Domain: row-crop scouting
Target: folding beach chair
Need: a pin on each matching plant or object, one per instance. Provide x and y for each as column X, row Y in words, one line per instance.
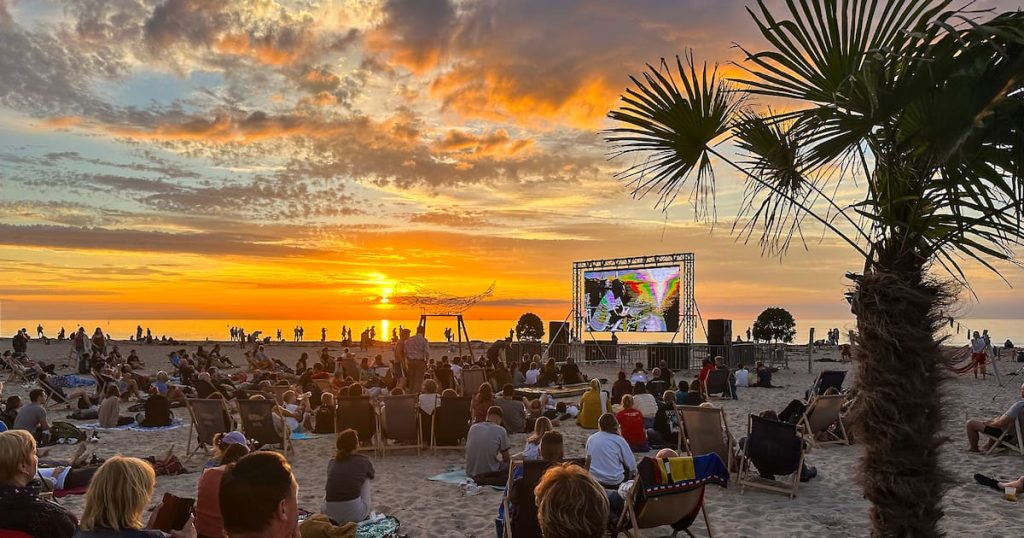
column 55, row 395
column 774, row 448
column 19, row 371
column 450, row 422
column 706, row 432
column 670, row 491
column 1011, row 438
column 828, row 379
column 357, row 413
column 717, row 384
column 207, row 421
column 821, row 413
column 259, row 426
column 399, row 421
column 522, row 521
column 472, row 378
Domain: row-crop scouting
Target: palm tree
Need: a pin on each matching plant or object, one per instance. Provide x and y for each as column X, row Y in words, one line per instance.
column 919, row 110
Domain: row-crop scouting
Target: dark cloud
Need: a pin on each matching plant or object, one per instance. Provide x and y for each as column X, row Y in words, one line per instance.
column 452, row 219
column 416, row 32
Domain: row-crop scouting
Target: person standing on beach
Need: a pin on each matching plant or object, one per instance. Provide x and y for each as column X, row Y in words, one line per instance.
column 979, row 347
column 417, row 351
column 323, row 334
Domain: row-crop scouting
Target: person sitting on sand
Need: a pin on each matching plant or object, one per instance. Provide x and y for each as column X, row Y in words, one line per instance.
column 322, row 420
column 994, row 427
column 222, row 443
column 173, row 393
column 485, row 442
column 592, row 406
column 609, row 457
column 639, row 374
column 683, row 388
column 208, row 522
column 109, row 413
column 10, row 411
column 134, row 361
column 570, row 503
column 513, row 410
column 349, row 473
column 482, row 402
column 21, row 509
column 632, row 423
column 32, row 417
column 764, row 376
column 532, row 375
column 117, row 496
column 531, row 451
column 157, row 411
column 621, row 387
column 645, row 402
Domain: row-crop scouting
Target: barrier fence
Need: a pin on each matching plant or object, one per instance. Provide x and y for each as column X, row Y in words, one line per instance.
column 676, row 356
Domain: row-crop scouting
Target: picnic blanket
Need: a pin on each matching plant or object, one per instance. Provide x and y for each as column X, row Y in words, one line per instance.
column 134, row 427
column 303, row 436
column 74, row 381
column 454, row 476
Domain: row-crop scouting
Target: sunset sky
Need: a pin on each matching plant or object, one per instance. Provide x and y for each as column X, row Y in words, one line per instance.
column 275, row 159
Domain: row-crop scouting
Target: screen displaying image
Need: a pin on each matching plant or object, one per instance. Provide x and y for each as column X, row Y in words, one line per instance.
column 632, row 300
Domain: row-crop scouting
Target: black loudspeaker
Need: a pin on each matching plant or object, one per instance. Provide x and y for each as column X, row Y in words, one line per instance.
column 719, row 332
column 558, row 332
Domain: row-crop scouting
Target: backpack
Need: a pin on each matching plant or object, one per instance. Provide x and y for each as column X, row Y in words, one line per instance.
column 62, row 432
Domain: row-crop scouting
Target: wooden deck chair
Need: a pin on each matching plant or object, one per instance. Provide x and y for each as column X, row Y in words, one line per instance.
column 399, row 420
column 675, row 501
column 450, row 422
column 1011, row 438
column 828, row 379
column 19, row 372
column 324, row 385
column 207, row 421
column 717, row 384
column 55, row 396
column 773, row 448
column 357, row 413
column 820, row 414
column 472, row 378
column 519, row 493
column 259, row 426
column 707, row 431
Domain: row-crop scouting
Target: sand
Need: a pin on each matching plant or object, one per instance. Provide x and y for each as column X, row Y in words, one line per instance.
column 830, row 505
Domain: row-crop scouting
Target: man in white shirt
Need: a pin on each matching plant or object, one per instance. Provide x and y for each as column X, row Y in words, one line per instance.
column 486, row 442
column 608, row 455
column 742, row 375
column 417, row 351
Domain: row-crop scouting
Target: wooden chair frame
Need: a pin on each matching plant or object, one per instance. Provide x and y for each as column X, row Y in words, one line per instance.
column 745, row 479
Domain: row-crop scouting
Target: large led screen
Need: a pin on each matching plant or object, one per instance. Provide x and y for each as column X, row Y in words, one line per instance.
column 632, row 300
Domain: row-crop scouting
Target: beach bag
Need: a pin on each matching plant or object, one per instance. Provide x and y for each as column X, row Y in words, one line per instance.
column 62, row 432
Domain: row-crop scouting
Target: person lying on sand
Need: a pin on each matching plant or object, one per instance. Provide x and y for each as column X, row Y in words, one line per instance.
column 994, row 427
column 1017, row 485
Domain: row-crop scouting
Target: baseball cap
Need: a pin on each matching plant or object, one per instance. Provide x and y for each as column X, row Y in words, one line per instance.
column 233, row 438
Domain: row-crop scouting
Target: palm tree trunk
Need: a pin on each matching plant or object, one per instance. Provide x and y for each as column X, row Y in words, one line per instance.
column 899, row 413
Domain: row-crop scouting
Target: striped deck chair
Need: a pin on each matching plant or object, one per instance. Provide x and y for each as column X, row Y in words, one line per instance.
column 19, row 372
column 670, row 491
column 821, row 413
column 207, row 421
column 717, row 384
column 357, row 413
column 450, row 422
column 519, row 505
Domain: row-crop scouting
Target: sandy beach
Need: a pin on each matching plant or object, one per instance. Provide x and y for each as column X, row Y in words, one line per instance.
column 830, row 504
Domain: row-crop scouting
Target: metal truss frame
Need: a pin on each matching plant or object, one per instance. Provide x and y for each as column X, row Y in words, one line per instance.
column 688, row 305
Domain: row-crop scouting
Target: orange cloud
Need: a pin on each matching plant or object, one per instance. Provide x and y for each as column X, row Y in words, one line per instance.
column 263, row 50
column 498, row 143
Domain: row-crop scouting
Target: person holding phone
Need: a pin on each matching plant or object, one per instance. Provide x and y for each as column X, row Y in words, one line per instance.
column 117, row 497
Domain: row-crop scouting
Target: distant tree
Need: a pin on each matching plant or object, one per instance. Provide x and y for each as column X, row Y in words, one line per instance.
column 775, row 325
column 530, row 327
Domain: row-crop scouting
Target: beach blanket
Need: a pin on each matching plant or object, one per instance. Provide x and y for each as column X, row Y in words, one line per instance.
column 58, row 493
column 378, row 527
column 74, row 381
column 564, row 391
column 134, row 427
column 454, row 477
column 303, row 436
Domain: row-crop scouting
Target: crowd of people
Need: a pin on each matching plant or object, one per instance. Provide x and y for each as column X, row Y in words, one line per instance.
column 244, row 491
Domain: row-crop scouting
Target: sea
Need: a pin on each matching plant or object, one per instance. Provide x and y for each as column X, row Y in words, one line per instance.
column 478, row 329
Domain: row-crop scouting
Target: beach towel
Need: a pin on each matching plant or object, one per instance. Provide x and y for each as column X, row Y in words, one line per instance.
column 454, row 477
column 378, row 527
column 73, row 491
column 303, row 436
column 134, row 427
column 72, row 381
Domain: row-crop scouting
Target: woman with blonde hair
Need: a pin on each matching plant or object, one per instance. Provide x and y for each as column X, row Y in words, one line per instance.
column 593, row 404
column 21, row 509
column 532, row 449
column 117, row 496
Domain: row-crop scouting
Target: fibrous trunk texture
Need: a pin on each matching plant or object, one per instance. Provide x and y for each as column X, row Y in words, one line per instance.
column 899, row 412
